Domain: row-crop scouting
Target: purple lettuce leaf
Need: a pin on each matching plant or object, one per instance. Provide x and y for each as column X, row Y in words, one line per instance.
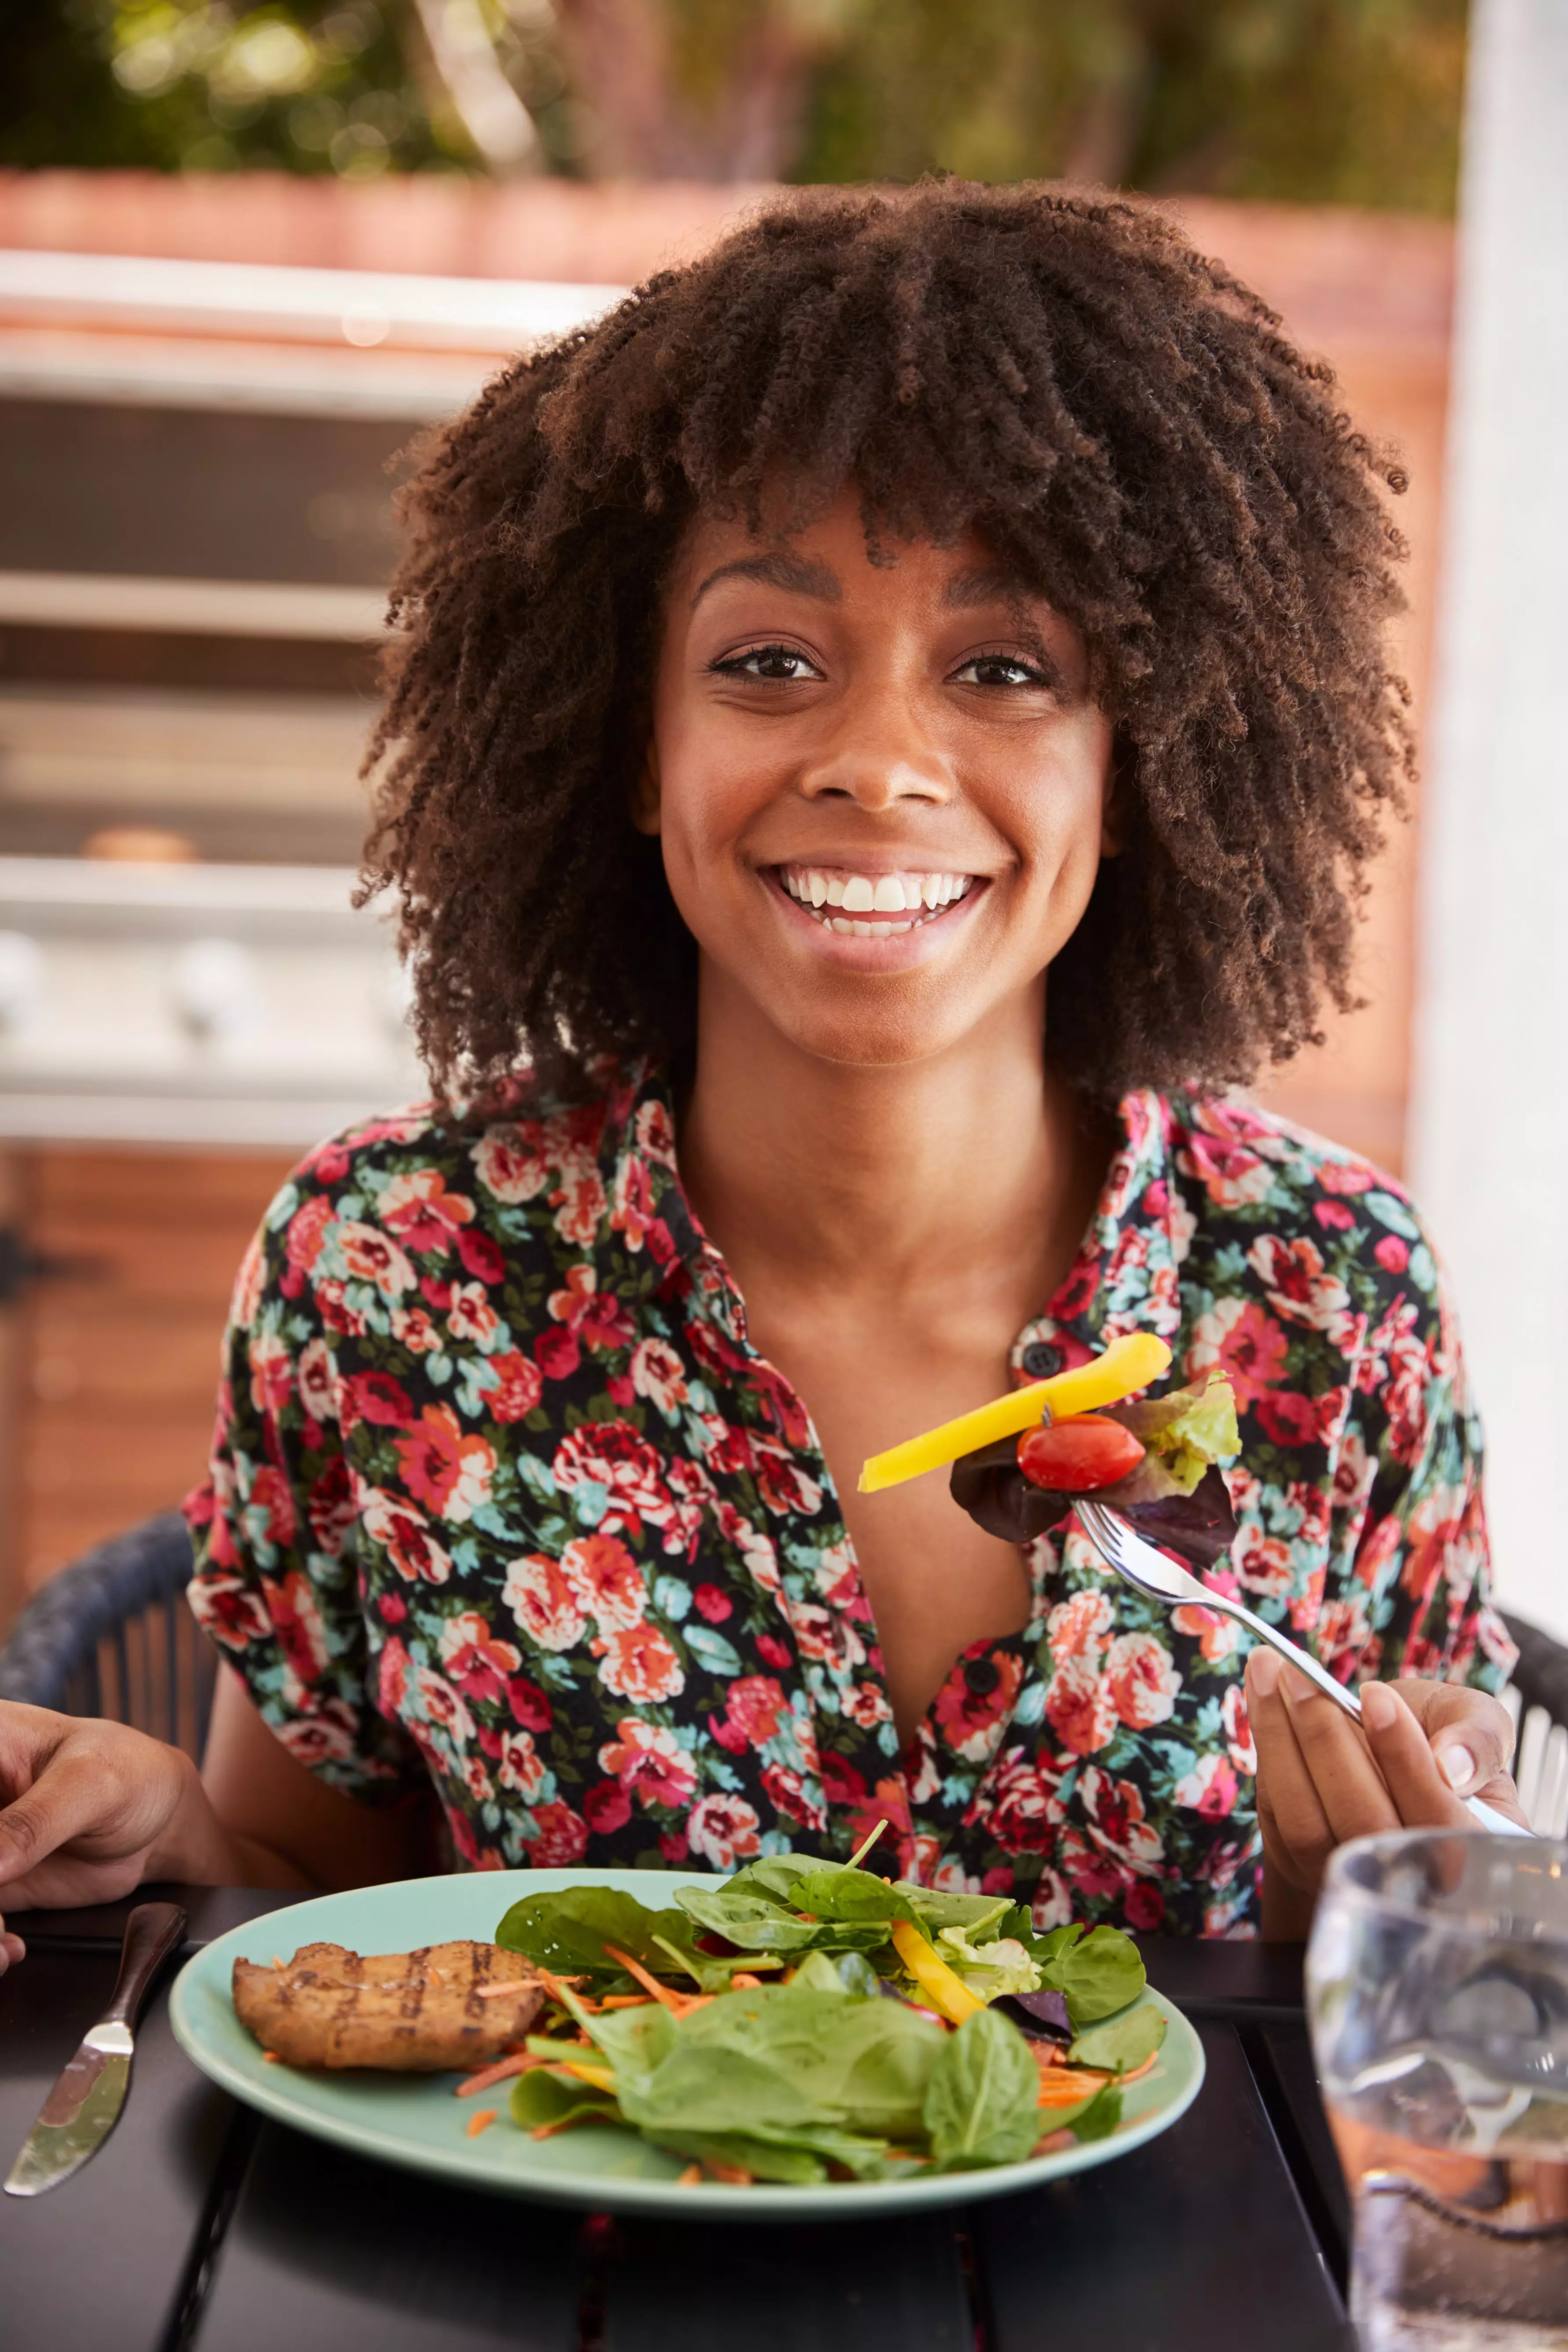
column 1197, row 1527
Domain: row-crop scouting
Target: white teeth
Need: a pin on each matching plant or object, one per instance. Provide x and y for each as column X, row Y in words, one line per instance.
column 818, row 888
column 859, row 895
column 922, row 895
column 835, row 890
column 887, row 897
column 930, row 888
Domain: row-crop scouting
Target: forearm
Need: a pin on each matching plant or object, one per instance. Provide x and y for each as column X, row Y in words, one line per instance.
column 199, row 1849
column 1286, row 1911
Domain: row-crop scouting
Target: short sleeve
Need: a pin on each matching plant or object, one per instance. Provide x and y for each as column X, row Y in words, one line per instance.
column 276, row 1585
column 1422, row 1559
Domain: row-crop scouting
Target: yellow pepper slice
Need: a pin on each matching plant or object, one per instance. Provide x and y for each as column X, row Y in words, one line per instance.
column 1127, row 1364
column 945, row 1991
column 600, row 2077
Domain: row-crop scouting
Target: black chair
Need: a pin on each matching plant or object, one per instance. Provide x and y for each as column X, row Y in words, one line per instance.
column 111, row 1635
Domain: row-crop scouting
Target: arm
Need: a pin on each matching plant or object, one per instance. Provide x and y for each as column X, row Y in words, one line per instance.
column 95, row 1807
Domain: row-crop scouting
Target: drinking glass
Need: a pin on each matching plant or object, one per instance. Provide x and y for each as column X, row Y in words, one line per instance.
column 1437, row 1988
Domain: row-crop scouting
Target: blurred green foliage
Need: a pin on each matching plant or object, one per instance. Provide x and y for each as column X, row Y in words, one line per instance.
column 1349, row 102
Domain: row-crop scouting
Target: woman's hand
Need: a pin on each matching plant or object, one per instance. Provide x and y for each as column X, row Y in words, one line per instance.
column 89, row 1809
column 1420, row 1748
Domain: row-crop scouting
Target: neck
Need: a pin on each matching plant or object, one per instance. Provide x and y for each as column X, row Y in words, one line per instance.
column 846, row 1180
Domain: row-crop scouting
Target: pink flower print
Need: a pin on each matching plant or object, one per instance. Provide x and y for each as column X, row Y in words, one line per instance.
column 297, row 1622
column 1233, row 1177
column 1238, row 1740
column 1023, row 1811
column 421, row 1212
column 475, row 1659
column 1237, row 1338
column 1117, row 1821
column 1209, row 1789
column 560, row 1837
column 541, row 1600
column 659, row 1374
column 307, row 1231
column 371, row 1255
column 712, row 1605
column 613, row 1455
column 510, row 1163
column 228, row 1612
column 1078, row 1627
column 271, row 1372
column 1141, row 1680
column 404, row 1533
column 1262, row 1563
column 443, row 1705
column 969, row 1717
column 270, row 1502
column 754, row 1705
column 522, row 1769
column 1079, row 1705
column 1217, row 1636
column 1299, row 1287
column 318, row 1382
column 470, row 1315
column 789, row 1795
column 325, row 1736
column 518, row 1387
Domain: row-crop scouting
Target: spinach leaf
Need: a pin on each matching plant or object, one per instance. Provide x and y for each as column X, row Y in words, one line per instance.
column 843, row 1972
column 567, row 1932
column 538, row 2098
column 853, row 1896
column 1099, row 1973
column 1123, row 2042
column 1099, row 2119
column 976, row 1914
column 982, row 2105
column 756, row 1924
column 801, row 2156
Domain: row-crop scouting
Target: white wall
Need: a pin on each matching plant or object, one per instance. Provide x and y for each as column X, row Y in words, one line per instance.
column 1489, row 1112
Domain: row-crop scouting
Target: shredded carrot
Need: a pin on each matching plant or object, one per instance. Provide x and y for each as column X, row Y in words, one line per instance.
column 680, row 2004
column 548, row 2131
column 626, row 2001
column 1071, row 2087
column 731, row 2173
column 690, row 2177
column 482, row 2121
column 519, row 2063
column 556, row 1985
column 272, row 2058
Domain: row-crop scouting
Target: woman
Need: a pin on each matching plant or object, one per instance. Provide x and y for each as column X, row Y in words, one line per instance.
column 886, row 727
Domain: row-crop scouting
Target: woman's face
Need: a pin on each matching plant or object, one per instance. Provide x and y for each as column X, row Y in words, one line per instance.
column 881, row 789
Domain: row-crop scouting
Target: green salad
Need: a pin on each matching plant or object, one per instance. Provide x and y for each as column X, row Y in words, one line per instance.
column 807, row 2021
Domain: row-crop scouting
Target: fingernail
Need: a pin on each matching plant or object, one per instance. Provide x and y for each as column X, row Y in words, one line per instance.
column 1457, row 1764
column 1377, row 1707
column 1264, row 1672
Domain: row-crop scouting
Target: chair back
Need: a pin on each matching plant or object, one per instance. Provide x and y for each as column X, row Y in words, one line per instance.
column 111, row 1635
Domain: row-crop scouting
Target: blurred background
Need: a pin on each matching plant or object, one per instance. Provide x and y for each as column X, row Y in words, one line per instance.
column 247, row 253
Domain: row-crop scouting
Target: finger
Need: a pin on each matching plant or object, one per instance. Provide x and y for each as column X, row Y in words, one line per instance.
column 1405, row 1757
column 1351, row 1789
column 1294, row 1821
column 12, row 1950
column 1469, row 1732
column 66, row 1799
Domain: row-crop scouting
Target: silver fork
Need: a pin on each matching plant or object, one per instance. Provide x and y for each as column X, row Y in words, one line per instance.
column 1160, row 1578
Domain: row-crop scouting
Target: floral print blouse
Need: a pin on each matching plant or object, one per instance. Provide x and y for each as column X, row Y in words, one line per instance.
column 503, row 1499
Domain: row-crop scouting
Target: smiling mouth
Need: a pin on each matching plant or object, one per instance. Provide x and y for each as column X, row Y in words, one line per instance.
column 873, row 906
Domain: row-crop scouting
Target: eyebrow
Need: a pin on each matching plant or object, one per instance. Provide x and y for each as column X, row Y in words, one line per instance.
column 798, row 575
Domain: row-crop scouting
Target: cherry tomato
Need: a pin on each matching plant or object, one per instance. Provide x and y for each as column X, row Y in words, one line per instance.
column 1075, row 1455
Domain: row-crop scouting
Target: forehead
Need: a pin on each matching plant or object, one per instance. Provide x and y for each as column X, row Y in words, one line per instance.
column 832, row 553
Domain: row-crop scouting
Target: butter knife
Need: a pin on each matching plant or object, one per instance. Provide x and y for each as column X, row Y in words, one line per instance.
column 84, row 2106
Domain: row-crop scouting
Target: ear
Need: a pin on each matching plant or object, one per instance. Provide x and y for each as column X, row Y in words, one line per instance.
column 646, row 793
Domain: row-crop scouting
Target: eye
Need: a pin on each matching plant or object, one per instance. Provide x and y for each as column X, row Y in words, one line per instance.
column 1001, row 669
column 772, row 664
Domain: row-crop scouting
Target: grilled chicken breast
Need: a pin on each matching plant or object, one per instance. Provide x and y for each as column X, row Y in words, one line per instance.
column 451, row 2005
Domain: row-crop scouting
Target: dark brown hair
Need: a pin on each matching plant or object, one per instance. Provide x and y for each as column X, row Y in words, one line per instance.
column 1118, row 419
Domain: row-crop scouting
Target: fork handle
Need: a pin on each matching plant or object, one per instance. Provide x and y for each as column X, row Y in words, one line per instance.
column 1486, row 1816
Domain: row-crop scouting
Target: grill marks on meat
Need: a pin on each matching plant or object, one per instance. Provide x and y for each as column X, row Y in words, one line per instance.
column 448, row 2005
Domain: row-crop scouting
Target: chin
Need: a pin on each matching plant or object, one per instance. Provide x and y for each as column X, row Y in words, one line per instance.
column 871, row 1036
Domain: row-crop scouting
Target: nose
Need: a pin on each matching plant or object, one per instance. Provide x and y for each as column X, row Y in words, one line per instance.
column 879, row 756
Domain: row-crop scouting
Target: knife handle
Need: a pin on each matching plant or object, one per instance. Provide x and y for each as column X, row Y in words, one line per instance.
column 152, row 1933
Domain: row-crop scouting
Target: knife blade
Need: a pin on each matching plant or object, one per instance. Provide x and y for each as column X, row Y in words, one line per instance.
column 84, row 2106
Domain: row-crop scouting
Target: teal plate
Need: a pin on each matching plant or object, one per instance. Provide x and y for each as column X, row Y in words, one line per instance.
column 413, row 2120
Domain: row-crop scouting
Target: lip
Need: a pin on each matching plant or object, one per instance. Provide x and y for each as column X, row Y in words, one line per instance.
column 899, row 950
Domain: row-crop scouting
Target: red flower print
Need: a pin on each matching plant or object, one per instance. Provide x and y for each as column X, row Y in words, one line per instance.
column 271, row 1372
column 1262, row 1563
column 1351, row 1177
column 674, row 1846
column 1239, row 1738
column 1143, row 1908
column 318, row 1382
column 331, row 1507
column 271, row 1500
column 753, row 1704
column 557, row 1354
column 1141, row 1680
column 325, row 1736
column 444, row 1707
column 479, row 1254
column 541, row 1598
column 650, row 1762
column 607, row 1807
column 1287, row 1417
column 529, row 1704
column 1240, row 1340
column 1117, row 1820
column 723, row 1830
column 1293, row 1274
column 780, row 1482
column 470, row 1315
column 1334, row 1216
column 612, row 1454
column 477, row 1661
column 518, row 1387
column 775, row 1653
column 605, row 1581
column 392, row 1608
column 977, row 1698
column 1217, row 1636
column 522, row 1769
column 445, row 1466
column 1020, row 1803
column 297, row 1622
column 657, row 1373
column 1078, row 1627
column 510, row 1161
column 229, row 1611
column 1077, row 1293
column 712, row 1604
column 844, row 1784
column 789, row 1795
column 639, row 1665
column 405, row 1534
column 375, row 1397
column 560, row 1837
column 866, row 1706
column 1233, row 1177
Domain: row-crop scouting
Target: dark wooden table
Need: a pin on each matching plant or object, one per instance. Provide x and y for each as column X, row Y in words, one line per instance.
column 201, row 2227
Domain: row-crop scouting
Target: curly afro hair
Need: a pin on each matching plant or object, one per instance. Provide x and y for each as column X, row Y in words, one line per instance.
column 1118, row 418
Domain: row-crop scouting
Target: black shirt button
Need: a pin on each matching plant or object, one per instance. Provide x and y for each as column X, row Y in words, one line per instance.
column 1041, row 1360
column 983, row 1676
